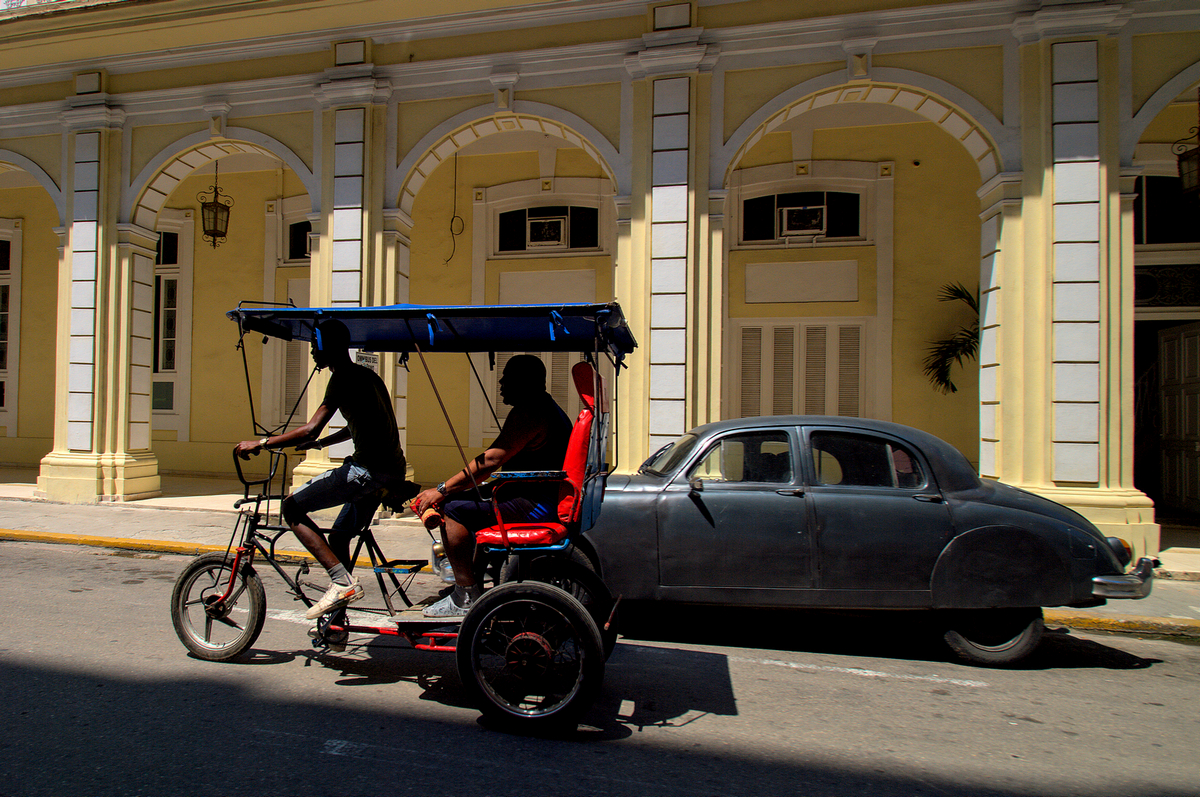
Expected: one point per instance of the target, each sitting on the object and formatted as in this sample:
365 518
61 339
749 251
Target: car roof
952 470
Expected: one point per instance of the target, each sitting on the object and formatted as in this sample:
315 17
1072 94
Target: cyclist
534 437
377 462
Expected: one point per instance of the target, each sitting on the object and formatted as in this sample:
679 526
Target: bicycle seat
395 498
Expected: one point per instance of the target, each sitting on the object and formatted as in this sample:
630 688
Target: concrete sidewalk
196 514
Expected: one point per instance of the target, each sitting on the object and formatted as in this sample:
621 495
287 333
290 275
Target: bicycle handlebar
276 457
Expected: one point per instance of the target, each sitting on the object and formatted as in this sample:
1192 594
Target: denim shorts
350 484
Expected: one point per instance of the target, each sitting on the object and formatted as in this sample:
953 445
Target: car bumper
1134 584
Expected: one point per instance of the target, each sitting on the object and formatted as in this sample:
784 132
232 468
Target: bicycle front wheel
212 628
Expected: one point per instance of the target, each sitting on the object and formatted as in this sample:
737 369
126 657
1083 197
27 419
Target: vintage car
811 511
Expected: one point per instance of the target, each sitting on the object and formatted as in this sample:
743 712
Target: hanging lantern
214 210
1189 158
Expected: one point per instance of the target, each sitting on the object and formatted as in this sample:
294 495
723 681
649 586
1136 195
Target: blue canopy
455 328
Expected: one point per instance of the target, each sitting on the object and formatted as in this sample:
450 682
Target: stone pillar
1056 358
342 276
102 388
678 376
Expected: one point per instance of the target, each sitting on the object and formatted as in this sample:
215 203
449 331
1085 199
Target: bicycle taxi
531 650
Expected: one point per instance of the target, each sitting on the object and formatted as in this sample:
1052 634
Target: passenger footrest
406 566
438 640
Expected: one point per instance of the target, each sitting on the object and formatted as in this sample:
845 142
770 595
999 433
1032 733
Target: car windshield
667 458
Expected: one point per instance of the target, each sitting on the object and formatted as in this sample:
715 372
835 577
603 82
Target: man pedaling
377 462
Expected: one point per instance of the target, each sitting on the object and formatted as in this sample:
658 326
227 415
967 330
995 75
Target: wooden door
1179 369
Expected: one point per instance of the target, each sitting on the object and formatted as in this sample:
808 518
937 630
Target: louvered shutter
828 357
752 365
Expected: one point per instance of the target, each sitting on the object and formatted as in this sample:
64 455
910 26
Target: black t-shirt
552 450
365 404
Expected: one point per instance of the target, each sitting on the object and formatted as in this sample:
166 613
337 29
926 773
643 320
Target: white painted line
937 679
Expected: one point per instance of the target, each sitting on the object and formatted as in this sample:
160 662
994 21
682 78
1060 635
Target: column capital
352 85
999 192
92 113
1053 20
672 52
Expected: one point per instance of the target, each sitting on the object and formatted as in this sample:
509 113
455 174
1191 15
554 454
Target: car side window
863 461
763 457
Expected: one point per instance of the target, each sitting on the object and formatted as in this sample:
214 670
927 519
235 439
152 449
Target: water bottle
441 565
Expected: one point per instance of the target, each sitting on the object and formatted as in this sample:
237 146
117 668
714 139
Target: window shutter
751 403
849 371
783 398
815 358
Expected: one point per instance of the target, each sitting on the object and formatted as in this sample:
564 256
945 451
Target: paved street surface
102 699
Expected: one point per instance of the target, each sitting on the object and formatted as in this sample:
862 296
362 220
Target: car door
734 516
880 520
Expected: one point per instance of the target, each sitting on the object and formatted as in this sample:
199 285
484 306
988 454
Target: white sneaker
337 596
446 607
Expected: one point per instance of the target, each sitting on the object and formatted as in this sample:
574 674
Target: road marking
937 679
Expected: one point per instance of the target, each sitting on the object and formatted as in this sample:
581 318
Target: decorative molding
503 83
93 114
1086 19
858 58
352 85
217 114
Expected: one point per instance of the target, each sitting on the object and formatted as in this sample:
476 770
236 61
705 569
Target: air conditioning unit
550 232
805 220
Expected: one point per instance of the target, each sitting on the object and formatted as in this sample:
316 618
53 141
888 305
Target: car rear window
863 461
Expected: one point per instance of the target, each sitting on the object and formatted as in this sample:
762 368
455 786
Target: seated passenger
377 463
534 437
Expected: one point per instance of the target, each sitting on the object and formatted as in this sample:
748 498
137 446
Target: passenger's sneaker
446 607
337 596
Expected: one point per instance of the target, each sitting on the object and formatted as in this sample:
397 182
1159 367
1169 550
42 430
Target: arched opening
30 212
1166 252
849 207
197 393
507 209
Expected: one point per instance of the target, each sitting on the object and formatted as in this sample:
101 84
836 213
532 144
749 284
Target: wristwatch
441 488
263 443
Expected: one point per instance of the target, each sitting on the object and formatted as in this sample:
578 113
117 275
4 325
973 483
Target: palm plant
962 345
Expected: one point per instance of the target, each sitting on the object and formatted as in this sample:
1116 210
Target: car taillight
1122 549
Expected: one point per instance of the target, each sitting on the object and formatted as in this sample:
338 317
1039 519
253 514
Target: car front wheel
994 637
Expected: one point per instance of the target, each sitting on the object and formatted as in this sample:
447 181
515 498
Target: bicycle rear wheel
211 628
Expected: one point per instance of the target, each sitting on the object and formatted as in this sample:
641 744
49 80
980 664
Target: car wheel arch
999 566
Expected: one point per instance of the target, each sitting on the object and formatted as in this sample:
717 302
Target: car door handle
929 498
797 493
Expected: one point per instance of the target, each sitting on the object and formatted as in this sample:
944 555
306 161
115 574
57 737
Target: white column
84 234
346 233
668 259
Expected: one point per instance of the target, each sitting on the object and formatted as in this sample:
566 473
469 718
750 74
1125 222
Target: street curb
153 546
1126 624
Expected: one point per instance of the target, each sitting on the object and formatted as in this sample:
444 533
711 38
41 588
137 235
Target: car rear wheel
995 637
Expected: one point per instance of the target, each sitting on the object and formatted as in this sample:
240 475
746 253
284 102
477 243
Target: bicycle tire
530 656
209 630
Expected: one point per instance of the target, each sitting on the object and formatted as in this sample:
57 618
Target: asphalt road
100 698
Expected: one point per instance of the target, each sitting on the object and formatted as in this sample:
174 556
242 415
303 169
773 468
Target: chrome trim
1135 584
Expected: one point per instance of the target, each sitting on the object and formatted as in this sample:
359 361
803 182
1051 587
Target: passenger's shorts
476 514
350 484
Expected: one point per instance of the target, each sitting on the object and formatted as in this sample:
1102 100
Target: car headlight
1122 549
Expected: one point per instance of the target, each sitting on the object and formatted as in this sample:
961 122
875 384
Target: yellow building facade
776 193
